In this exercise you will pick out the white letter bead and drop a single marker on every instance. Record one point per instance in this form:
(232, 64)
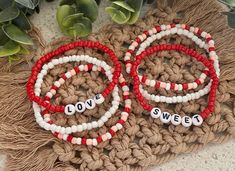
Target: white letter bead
(69, 109)
(99, 98)
(176, 119)
(90, 104)
(155, 112)
(197, 120)
(186, 121)
(80, 107)
(165, 117)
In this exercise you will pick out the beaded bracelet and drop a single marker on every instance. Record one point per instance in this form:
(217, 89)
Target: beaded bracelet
(57, 130)
(70, 108)
(165, 117)
(35, 70)
(84, 126)
(165, 30)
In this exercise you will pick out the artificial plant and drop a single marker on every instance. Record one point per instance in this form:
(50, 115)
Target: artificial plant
(14, 25)
(75, 17)
(125, 11)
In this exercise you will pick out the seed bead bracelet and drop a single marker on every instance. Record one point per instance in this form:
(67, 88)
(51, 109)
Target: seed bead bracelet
(166, 117)
(80, 107)
(70, 108)
(38, 66)
(63, 133)
(164, 30)
(84, 126)
(178, 99)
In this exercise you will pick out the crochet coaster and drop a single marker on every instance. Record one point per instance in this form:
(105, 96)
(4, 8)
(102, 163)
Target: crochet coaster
(143, 141)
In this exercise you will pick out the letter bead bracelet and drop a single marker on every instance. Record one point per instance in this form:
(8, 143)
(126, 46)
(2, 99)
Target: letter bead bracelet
(165, 117)
(33, 84)
(64, 132)
(42, 106)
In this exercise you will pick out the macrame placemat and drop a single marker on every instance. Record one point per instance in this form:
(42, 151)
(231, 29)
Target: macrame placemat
(143, 141)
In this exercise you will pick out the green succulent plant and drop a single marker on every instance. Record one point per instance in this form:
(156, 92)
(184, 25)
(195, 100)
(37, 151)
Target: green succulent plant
(14, 25)
(125, 11)
(75, 17)
(231, 13)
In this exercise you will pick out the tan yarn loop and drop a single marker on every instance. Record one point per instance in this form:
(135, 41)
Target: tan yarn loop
(143, 141)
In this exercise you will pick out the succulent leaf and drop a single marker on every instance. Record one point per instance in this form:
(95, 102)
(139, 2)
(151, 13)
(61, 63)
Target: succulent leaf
(5, 4)
(10, 48)
(82, 28)
(71, 19)
(118, 16)
(62, 12)
(89, 8)
(3, 37)
(16, 34)
(22, 22)
(67, 2)
(136, 5)
(124, 5)
(31, 4)
(9, 14)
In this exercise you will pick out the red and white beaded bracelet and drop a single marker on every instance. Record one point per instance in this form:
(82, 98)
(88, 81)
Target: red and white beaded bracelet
(165, 117)
(70, 108)
(49, 125)
(84, 126)
(164, 30)
(35, 70)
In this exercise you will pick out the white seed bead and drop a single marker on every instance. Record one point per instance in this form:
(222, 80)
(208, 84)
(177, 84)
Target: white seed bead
(90, 104)
(74, 128)
(79, 128)
(94, 142)
(119, 126)
(176, 119)
(109, 136)
(165, 117)
(69, 109)
(84, 126)
(197, 120)
(94, 124)
(155, 112)
(99, 98)
(68, 130)
(80, 107)
(78, 141)
(186, 121)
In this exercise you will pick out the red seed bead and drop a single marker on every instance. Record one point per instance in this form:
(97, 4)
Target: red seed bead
(99, 139)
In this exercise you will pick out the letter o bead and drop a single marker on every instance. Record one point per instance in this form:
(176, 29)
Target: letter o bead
(155, 112)
(69, 109)
(197, 120)
(80, 107)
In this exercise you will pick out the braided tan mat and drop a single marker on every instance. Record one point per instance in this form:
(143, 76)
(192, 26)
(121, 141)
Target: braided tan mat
(143, 141)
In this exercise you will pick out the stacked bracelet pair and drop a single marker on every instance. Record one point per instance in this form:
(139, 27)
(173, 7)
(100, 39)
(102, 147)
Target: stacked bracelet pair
(203, 40)
(42, 106)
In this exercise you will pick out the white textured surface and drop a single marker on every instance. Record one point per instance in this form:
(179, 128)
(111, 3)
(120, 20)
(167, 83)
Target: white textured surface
(213, 157)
